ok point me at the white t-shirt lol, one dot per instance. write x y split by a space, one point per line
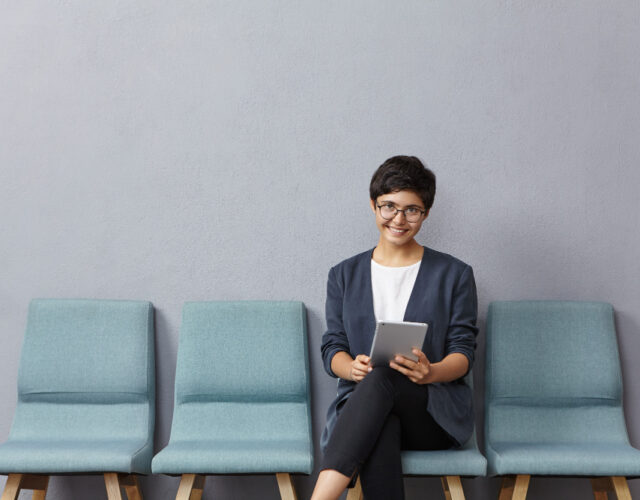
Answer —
392 287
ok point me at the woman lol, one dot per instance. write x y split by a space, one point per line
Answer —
413 405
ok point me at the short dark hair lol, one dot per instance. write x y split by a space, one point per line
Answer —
400 173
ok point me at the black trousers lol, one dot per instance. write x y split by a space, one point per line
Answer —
386 413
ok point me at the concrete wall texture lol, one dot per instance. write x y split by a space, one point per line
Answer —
174 151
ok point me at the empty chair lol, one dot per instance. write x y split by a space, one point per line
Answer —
554 396
241 395
450 465
86 395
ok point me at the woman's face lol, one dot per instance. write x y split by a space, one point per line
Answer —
398 231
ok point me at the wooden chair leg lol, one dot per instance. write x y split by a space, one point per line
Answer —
445 488
287 492
514 487
112 484
12 487
355 493
506 490
452 487
601 486
191 487
521 487
198 488
131 486
38 484
18 482
621 487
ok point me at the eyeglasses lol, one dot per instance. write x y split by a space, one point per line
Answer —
388 211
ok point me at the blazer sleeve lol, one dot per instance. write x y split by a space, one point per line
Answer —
461 336
335 338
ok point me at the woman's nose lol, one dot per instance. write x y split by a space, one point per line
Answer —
401 220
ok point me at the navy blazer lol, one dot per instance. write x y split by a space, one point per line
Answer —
444 296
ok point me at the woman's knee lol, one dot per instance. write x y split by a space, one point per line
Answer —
383 374
381 378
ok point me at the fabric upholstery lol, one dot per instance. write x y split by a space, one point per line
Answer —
554 391
86 389
234 457
54 456
242 391
466 461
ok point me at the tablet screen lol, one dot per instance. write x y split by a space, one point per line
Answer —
392 338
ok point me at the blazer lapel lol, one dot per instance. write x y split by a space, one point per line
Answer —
413 312
367 298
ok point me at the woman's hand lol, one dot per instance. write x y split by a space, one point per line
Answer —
417 371
360 367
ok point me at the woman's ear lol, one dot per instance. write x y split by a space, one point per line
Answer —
373 205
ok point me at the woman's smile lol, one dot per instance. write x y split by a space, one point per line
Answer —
397 231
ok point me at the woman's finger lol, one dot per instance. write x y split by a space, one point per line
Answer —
362 368
363 358
400 368
408 363
422 357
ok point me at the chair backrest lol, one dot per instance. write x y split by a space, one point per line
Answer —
242 371
87 370
548 362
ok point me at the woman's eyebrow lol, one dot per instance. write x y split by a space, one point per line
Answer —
387 202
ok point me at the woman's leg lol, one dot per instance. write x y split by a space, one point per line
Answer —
329 485
355 434
355 437
419 430
408 426
381 473
360 422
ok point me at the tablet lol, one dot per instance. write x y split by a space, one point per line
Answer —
393 338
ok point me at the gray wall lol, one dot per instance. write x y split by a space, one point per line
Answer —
176 151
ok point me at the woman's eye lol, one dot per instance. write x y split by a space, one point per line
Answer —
389 206
412 211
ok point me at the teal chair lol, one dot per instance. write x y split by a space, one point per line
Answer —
86 396
449 465
241 395
554 397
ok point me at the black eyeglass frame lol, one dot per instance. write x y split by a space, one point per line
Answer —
404 212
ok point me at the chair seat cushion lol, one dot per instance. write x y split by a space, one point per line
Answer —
81 456
234 457
564 459
464 462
